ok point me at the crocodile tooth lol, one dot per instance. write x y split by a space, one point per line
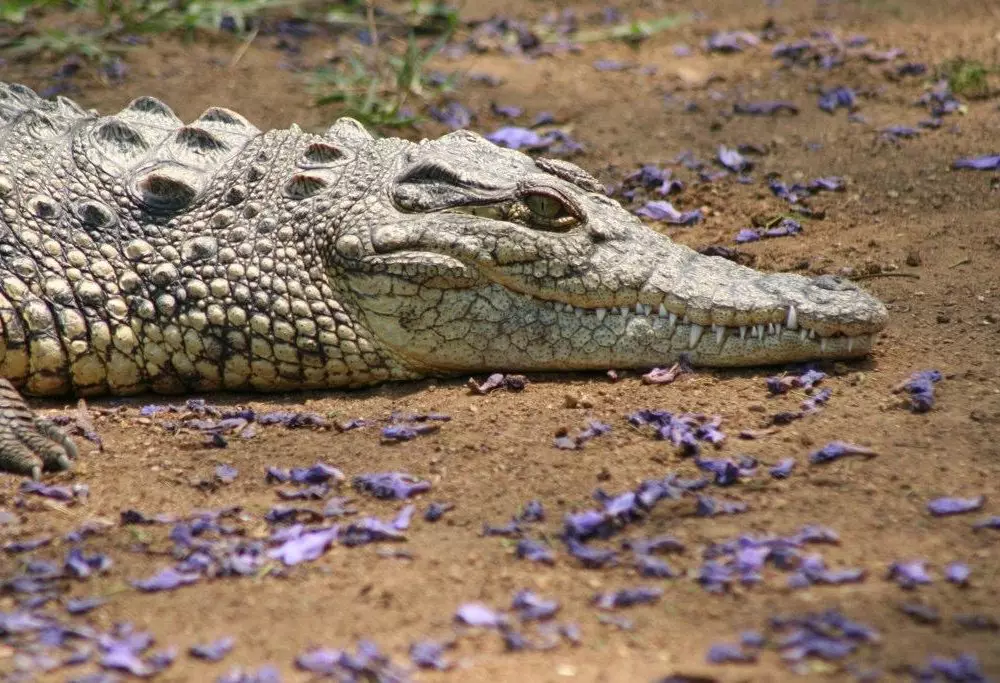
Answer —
696 331
777 329
720 334
673 320
743 332
822 343
758 331
793 318
601 312
663 311
770 328
622 310
646 309
812 334
686 319
803 333
850 344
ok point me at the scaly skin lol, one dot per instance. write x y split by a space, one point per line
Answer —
138 253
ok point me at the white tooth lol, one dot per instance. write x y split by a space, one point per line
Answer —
850 344
822 344
793 318
812 334
623 311
579 312
601 312
803 333
696 331
770 328
663 311
777 329
743 332
647 309
686 320
638 309
673 320
720 334
758 331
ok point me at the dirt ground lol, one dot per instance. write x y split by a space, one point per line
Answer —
904 211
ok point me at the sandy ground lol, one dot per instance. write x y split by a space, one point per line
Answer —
904 211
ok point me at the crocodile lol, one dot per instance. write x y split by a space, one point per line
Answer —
139 253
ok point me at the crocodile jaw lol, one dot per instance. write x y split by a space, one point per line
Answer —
489 327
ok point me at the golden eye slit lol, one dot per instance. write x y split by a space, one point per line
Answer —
548 212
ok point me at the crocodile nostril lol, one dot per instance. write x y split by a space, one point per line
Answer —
833 283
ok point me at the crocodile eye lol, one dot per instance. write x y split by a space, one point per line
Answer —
544 206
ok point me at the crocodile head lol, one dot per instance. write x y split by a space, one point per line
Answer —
475 257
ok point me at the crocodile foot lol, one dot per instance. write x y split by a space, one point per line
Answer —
30 444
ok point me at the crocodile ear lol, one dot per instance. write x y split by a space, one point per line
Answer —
571 173
168 188
350 132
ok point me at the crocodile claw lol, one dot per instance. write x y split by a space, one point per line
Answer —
30 444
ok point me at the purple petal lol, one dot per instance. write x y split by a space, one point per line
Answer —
62 493
82 605
429 654
592 558
958 573
534 551
661 210
532 607
733 160
226 473
516 137
478 614
307 547
835 98
726 653
214 651
165 580
980 163
783 469
838 449
766 108
653 567
988 523
510 111
627 597
909 574
436 511
453 114
391 485
955 506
